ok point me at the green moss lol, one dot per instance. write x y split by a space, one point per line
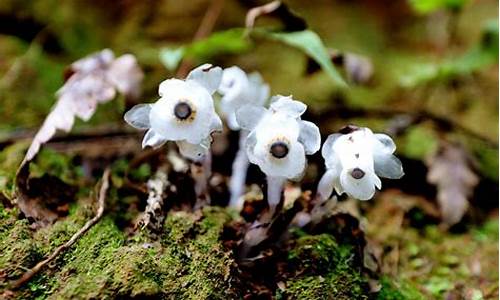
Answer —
10 159
189 262
198 266
17 247
327 271
398 291
314 253
55 164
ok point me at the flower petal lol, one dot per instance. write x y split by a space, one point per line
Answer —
216 124
287 105
261 90
233 82
326 183
327 151
385 143
153 139
388 166
310 137
363 188
250 143
207 76
194 152
193 130
249 115
292 166
138 116
170 85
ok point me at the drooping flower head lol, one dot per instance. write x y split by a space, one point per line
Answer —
279 139
184 113
239 89
355 158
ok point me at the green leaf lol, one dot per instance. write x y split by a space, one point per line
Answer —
232 41
430 6
310 43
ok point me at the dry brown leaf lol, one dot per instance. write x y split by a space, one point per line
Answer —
450 170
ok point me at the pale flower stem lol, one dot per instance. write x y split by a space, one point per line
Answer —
274 190
201 175
239 172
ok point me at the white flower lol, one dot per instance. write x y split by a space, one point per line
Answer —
355 160
185 113
239 89
279 139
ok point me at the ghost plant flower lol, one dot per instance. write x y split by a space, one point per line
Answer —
238 89
184 113
355 158
279 141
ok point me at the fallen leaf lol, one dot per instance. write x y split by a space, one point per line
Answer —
450 170
92 80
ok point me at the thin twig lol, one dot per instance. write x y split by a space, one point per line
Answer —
255 12
100 211
206 26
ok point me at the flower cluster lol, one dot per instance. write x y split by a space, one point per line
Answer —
274 138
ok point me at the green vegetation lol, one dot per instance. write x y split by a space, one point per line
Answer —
104 263
327 270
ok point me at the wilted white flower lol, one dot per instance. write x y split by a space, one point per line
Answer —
92 80
355 159
239 89
185 113
279 139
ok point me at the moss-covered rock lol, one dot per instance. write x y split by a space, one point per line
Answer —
326 271
189 261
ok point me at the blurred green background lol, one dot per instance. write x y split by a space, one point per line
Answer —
439 57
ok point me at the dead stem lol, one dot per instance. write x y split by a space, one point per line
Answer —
100 211
153 214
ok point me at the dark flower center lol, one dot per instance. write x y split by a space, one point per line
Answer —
357 173
279 149
182 110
